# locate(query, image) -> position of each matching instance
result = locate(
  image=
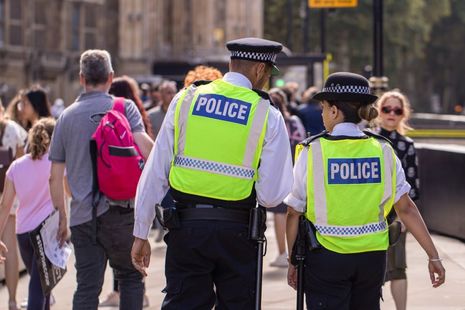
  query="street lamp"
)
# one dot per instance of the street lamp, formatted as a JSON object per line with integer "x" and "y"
{"x": 378, "y": 81}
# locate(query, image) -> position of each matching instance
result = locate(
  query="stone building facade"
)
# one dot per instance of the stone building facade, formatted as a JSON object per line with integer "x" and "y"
{"x": 41, "y": 40}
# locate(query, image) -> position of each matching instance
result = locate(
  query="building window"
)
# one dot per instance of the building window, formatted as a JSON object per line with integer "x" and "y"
{"x": 39, "y": 25}
{"x": 168, "y": 23}
{"x": 84, "y": 26}
{"x": 75, "y": 26}
{"x": 15, "y": 10}
{"x": 2, "y": 22}
{"x": 39, "y": 13}
{"x": 16, "y": 24}
{"x": 91, "y": 19}
{"x": 90, "y": 26}
{"x": 219, "y": 23}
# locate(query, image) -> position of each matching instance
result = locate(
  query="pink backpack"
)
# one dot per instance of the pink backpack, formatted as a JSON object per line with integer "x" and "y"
{"x": 119, "y": 163}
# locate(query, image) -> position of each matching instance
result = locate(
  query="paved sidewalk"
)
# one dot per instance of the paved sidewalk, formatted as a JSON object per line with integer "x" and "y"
{"x": 276, "y": 293}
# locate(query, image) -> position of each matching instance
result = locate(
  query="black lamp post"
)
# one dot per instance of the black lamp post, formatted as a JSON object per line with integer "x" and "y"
{"x": 378, "y": 37}
{"x": 378, "y": 80}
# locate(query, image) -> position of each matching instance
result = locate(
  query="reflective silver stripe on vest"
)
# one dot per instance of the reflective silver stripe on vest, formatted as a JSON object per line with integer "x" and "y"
{"x": 319, "y": 192}
{"x": 351, "y": 231}
{"x": 388, "y": 170}
{"x": 255, "y": 132}
{"x": 183, "y": 115}
{"x": 214, "y": 167}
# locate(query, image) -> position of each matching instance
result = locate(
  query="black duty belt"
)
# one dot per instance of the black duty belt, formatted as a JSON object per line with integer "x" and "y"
{"x": 218, "y": 214}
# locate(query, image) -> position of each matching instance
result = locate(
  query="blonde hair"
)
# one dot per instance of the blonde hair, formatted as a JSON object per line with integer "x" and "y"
{"x": 40, "y": 137}
{"x": 403, "y": 125}
{"x": 202, "y": 73}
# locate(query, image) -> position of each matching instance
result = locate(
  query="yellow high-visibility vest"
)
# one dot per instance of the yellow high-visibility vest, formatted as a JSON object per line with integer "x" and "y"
{"x": 218, "y": 139}
{"x": 351, "y": 187}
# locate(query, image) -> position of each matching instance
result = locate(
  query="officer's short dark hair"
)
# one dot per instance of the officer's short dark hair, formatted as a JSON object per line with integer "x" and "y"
{"x": 95, "y": 66}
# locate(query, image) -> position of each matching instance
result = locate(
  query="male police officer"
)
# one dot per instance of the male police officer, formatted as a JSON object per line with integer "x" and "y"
{"x": 221, "y": 149}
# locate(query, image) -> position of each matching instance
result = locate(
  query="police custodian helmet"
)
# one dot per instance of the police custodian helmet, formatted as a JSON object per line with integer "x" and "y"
{"x": 255, "y": 49}
{"x": 346, "y": 86}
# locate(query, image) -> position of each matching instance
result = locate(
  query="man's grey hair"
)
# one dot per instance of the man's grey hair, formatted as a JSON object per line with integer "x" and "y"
{"x": 168, "y": 84}
{"x": 95, "y": 66}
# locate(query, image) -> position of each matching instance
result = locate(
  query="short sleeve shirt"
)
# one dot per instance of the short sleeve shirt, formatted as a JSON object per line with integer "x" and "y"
{"x": 14, "y": 136}
{"x": 70, "y": 145}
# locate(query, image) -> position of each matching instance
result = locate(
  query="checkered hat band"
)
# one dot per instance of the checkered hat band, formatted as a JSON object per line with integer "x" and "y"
{"x": 214, "y": 167}
{"x": 354, "y": 89}
{"x": 351, "y": 231}
{"x": 262, "y": 57}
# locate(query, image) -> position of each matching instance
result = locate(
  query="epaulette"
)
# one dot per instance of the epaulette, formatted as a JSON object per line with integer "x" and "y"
{"x": 201, "y": 82}
{"x": 375, "y": 135}
{"x": 265, "y": 96}
{"x": 262, "y": 94}
{"x": 310, "y": 139}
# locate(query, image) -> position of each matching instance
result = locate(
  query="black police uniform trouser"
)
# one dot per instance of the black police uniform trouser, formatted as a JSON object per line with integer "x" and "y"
{"x": 207, "y": 257}
{"x": 336, "y": 281}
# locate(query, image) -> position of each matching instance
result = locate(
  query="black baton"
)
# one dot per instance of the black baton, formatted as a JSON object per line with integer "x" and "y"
{"x": 257, "y": 227}
{"x": 299, "y": 259}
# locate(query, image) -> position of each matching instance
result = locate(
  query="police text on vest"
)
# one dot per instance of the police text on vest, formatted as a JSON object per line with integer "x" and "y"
{"x": 354, "y": 170}
{"x": 222, "y": 108}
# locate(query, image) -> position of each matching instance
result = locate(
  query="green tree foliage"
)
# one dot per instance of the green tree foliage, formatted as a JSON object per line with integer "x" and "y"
{"x": 413, "y": 35}
{"x": 443, "y": 66}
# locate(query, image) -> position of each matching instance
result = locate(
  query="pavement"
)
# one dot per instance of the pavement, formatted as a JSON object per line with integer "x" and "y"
{"x": 278, "y": 295}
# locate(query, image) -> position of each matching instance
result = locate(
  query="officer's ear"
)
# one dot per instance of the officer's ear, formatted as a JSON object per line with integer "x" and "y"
{"x": 334, "y": 111}
{"x": 260, "y": 69}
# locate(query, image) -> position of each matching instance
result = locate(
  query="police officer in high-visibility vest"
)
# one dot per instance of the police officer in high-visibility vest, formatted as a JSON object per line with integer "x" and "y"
{"x": 345, "y": 183}
{"x": 222, "y": 149}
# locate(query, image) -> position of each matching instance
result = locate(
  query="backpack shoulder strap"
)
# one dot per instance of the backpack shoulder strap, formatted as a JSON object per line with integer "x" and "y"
{"x": 119, "y": 105}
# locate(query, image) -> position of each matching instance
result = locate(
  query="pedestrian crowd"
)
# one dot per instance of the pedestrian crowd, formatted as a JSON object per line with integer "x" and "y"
{"x": 193, "y": 162}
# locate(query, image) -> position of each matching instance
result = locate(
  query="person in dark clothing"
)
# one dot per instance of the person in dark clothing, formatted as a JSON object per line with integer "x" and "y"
{"x": 310, "y": 112}
{"x": 394, "y": 111}
{"x": 210, "y": 260}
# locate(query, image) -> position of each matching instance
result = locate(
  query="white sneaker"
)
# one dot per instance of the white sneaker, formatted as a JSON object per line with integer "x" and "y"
{"x": 112, "y": 300}
{"x": 280, "y": 261}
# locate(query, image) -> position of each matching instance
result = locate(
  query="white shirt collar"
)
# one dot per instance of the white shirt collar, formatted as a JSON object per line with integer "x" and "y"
{"x": 347, "y": 129}
{"x": 237, "y": 79}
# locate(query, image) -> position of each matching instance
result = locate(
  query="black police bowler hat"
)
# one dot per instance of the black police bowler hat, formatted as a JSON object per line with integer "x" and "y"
{"x": 255, "y": 49}
{"x": 346, "y": 86}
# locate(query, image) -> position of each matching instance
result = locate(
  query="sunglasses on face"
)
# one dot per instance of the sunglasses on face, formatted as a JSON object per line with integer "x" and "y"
{"x": 397, "y": 111}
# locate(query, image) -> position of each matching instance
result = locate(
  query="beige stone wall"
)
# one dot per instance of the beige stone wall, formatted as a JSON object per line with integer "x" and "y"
{"x": 136, "y": 32}
{"x": 53, "y": 63}
{"x": 200, "y": 28}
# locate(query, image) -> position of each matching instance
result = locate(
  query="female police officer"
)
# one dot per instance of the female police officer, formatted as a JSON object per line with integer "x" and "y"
{"x": 345, "y": 183}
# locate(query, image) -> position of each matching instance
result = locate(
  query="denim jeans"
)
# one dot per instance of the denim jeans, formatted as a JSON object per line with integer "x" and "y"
{"x": 114, "y": 243}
